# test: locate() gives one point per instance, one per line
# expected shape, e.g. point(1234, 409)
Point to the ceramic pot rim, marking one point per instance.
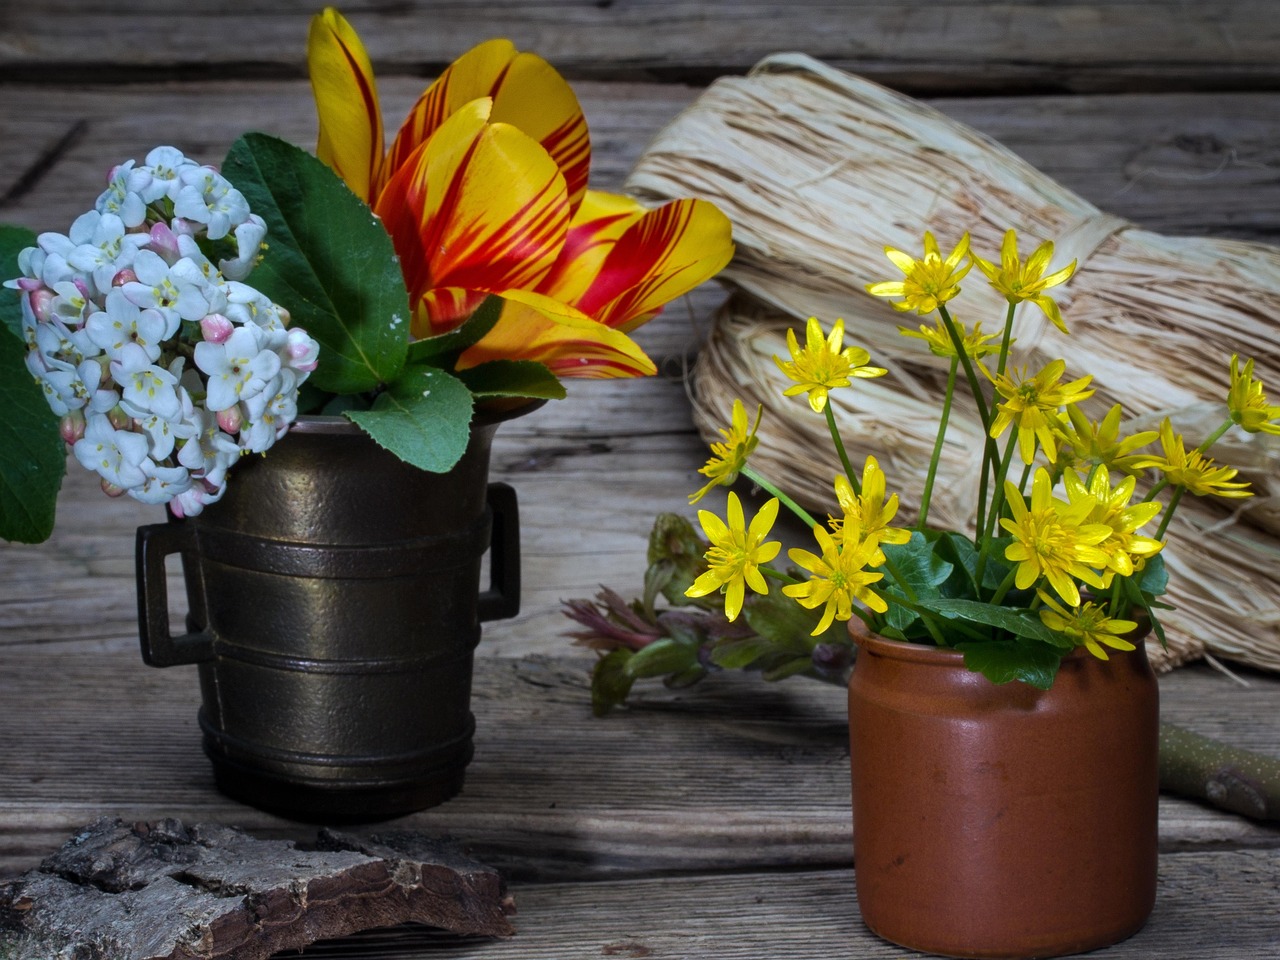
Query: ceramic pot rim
point(314, 424)
point(919, 652)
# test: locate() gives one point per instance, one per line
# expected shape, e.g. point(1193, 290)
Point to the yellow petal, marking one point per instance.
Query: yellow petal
point(347, 102)
point(597, 224)
point(534, 327)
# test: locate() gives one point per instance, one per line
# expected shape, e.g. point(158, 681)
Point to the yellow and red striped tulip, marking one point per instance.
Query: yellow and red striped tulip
point(483, 191)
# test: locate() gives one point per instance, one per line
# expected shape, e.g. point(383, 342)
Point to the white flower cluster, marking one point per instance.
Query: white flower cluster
point(164, 368)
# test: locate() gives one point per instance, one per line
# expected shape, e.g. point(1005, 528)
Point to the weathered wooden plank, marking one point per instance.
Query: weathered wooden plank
point(1177, 163)
point(731, 774)
point(1211, 906)
point(917, 45)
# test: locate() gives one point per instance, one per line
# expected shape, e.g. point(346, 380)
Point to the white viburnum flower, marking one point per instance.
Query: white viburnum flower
point(114, 455)
point(165, 165)
point(249, 237)
point(238, 368)
point(145, 387)
point(179, 291)
point(121, 196)
point(209, 452)
point(108, 251)
point(205, 196)
point(270, 412)
point(160, 484)
point(124, 322)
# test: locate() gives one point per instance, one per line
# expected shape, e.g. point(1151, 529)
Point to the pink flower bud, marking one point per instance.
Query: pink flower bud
point(111, 490)
point(216, 328)
point(83, 288)
point(231, 419)
point(41, 300)
point(164, 244)
point(29, 284)
point(124, 276)
point(72, 426)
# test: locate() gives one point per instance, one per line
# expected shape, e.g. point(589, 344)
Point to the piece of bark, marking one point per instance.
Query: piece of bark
point(166, 891)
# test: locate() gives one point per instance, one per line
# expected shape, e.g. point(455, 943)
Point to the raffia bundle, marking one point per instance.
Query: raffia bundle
point(820, 170)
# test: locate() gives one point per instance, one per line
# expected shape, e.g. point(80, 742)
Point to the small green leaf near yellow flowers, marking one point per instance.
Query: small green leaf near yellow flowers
point(927, 282)
point(1003, 661)
point(1248, 403)
point(1017, 281)
point(730, 456)
point(823, 364)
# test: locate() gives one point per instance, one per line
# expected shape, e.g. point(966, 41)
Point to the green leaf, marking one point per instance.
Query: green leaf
point(786, 624)
point(13, 240)
point(918, 563)
point(424, 419)
point(328, 260)
point(662, 657)
point(1002, 661)
point(675, 559)
point(685, 678)
point(33, 458)
point(740, 654)
point(789, 668)
point(1015, 620)
point(443, 349)
point(512, 378)
point(610, 681)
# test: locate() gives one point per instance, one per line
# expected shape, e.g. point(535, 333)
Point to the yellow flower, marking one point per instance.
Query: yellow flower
point(1088, 625)
point(1051, 540)
point(1194, 471)
point(1125, 548)
point(1247, 401)
point(1033, 405)
point(823, 364)
point(976, 343)
point(1019, 281)
point(736, 553)
point(728, 458)
point(869, 513)
point(839, 576)
point(929, 281)
point(1087, 444)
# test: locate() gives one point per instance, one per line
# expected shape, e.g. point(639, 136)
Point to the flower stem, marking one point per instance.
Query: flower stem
point(937, 444)
point(1168, 512)
point(839, 445)
point(987, 535)
point(925, 617)
point(989, 451)
point(1007, 339)
point(786, 501)
point(1214, 437)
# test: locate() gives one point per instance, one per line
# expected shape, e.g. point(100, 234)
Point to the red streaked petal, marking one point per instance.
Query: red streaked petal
point(346, 98)
point(527, 93)
point(534, 327)
point(663, 255)
point(480, 206)
point(596, 226)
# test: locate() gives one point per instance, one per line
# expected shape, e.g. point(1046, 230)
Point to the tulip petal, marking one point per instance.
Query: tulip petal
point(597, 224)
point(663, 255)
point(527, 93)
point(480, 206)
point(347, 102)
point(535, 327)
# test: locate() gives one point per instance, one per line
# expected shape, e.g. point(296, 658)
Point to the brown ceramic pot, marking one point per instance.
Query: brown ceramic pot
point(1001, 820)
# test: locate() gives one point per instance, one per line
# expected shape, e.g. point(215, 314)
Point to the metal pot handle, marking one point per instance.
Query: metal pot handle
point(502, 600)
point(160, 648)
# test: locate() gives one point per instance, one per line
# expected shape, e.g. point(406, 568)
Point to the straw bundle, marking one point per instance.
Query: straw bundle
point(820, 170)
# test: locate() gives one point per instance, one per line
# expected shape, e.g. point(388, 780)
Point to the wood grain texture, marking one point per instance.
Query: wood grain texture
point(915, 45)
point(733, 774)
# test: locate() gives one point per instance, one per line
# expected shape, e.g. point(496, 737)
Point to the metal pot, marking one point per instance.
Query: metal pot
point(335, 606)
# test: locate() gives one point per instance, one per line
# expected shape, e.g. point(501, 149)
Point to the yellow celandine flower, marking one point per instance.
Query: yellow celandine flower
point(1247, 401)
point(839, 575)
point(1052, 540)
point(1088, 625)
point(1019, 281)
point(869, 513)
point(976, 343)
point(1086, 444)
point(1194, 471)
point(728, 458)
point(929, 281)
point(1126, 550)
point(824, 363)
point(736, 553)
point(1033, 404)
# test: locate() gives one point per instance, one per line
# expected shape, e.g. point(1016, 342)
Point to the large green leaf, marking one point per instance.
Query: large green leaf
point(1015, 620)
point(328, 260)
point(443, 349)
point(32, 455)
point(512, 378)
point(663, 656)
point(424, 419)
point(1002, 661)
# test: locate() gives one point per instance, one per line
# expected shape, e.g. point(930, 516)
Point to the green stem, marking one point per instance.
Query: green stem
point(1168, 512)
point(997, 505)
point(1005, 586)
point(925, 617)
point(839, 445)
point(786, 501)
point(773, 574)
point(1214, 437)
point(990, 452)
point(1006, 339)
point(937, 444)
